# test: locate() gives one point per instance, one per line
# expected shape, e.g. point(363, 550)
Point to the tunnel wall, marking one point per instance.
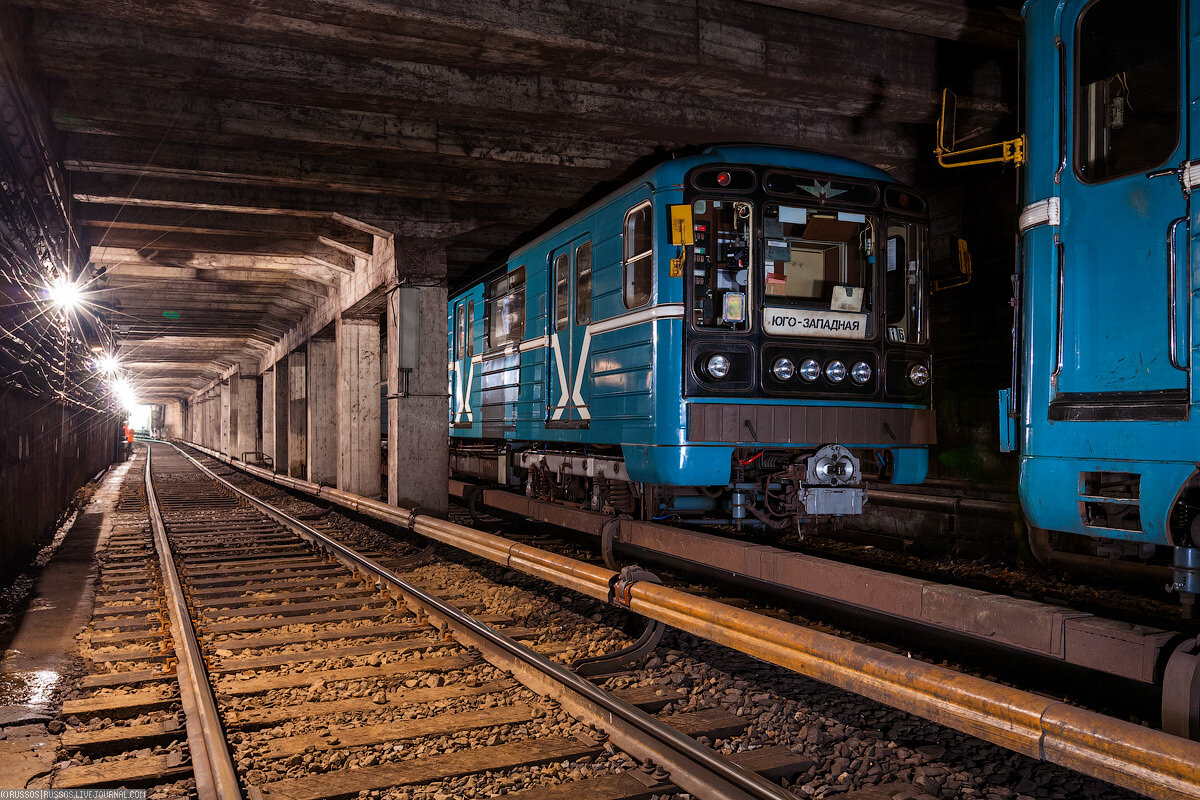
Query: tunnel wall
point(45, 456)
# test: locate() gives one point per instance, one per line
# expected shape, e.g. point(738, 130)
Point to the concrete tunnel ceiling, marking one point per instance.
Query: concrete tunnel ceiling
point(231, 163)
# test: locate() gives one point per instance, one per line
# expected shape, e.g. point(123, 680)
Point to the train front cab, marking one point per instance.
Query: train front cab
point(810, 369)
point(1108, 432)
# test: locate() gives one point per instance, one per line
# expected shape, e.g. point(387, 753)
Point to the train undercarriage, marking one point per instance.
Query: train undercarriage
point(769, 489)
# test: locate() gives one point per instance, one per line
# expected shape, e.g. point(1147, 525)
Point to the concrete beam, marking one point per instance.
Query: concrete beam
point(160, 220)
point(255, 246)
point(430, 217)
point(822, 64)
point(360, 174)
point(367, 283)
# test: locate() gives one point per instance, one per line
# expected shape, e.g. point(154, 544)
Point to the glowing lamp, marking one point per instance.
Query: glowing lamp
point(64, 294)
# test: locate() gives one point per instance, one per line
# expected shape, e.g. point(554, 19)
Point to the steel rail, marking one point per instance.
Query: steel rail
point(1145, 760)
point(212, 764)
point(692, 767)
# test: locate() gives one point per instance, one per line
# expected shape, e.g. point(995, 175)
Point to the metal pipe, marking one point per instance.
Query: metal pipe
point(1148, 761)
point(943, 504)
point(1044, 552)
point(212, 764)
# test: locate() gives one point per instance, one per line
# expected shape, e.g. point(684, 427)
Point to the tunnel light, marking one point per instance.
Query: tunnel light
point(107, 364)
point(125, 394)
point(65, 294)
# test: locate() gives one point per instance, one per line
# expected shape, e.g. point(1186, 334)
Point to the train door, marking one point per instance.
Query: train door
point(461, 367)
point(570, 315)
point(1122, 333)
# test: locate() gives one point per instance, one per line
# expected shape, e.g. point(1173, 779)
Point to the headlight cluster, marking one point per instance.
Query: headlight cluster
point(810, 370)
point(918, 375)
point(717, 366)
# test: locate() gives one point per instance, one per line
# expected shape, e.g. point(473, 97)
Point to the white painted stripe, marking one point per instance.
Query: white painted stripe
point(563, 399)
point(1191, 175)
point(1043, 212)
point(577, 390)
point(467, 393)
point(664, 311)
point(534, 344)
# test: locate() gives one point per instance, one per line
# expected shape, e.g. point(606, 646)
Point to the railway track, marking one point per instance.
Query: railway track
point(1128, 755)
point(236, 651)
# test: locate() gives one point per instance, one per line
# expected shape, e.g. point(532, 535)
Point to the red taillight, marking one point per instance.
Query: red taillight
point(723, 178)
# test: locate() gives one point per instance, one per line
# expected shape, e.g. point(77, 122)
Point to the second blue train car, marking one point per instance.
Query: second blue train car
point(1105, 414)
point(737, 337)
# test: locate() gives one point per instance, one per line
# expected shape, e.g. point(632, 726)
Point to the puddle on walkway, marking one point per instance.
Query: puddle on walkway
point(33, 689)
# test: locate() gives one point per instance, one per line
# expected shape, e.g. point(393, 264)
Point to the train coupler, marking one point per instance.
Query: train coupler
point(833, 483)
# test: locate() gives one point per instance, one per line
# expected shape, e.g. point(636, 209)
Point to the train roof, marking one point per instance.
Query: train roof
point(673, 171)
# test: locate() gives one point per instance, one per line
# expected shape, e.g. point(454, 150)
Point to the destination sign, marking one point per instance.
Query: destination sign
point(814, 322)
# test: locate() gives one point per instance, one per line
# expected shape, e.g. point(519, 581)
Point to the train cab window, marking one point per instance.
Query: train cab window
point(638, 256)
point(721, 259)
point(817, 258)
point(562, 290)
point(506, 309)
point(470, 329)
point(583, 284)
point(1127, 100)
point(903, 260)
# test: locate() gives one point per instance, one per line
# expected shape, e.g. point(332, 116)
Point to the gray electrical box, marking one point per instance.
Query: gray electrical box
point(408, 325)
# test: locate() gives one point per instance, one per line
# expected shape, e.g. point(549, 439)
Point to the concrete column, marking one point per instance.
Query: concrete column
point(198, 420)
point(214, 420)
point(268, 414)
point(297, 427)
point(173, 421)
point(323, 416)
point(418, 461)
point(279, 448)
point(247, 414)
point(228, 419)
point(358, 407)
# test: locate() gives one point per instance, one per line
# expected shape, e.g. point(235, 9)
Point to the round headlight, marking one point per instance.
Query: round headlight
point(717, 366)
point(861, 373)
point(784, 369)
point(810, 370)
point(835, 371)
point(919, 375)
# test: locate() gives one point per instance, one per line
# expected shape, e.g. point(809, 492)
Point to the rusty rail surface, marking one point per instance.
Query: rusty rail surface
point(212, 763)
point(692, 767)
point(1145, 760)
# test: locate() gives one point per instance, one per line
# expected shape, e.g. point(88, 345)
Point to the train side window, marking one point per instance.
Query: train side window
point(459, 331)
point(470, 329)
point(639, 255)
point(1127, 100)
point(583, 284)
point(505, 308)
point(904, 282)
point(562, 290)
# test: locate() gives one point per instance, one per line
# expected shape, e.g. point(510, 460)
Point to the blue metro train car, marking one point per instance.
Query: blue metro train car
point(737, 337)
point(1106, 419)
